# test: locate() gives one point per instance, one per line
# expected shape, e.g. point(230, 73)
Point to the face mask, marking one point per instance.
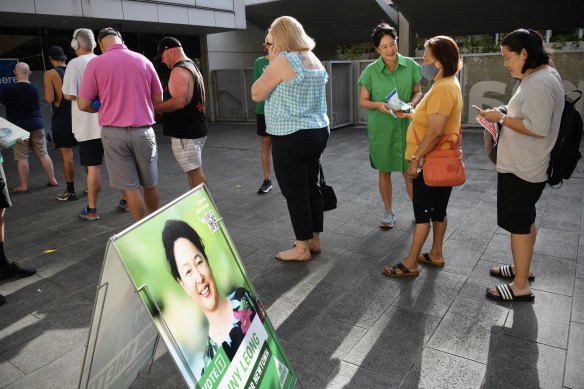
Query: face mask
point(430, 71)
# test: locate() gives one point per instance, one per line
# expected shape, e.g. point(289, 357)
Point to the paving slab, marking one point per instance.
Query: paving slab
point(45, 348)
point(574, 375)
point(436, 369)
point(578, 301)
point(63, 372)
point(517, 363)
point(553, 274)
point(317, 351)
point(470, 329)
point(364, 303)
point(350, 376)
point(546, 320)
point(394, 342)
point(432, 292)
point(563, 244)
point(8, 373)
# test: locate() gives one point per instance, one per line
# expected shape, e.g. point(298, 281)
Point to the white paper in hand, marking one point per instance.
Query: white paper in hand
point(491, 127)
point(10, 133)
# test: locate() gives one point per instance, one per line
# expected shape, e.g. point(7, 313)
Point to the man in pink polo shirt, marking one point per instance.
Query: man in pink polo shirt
point(127, 87)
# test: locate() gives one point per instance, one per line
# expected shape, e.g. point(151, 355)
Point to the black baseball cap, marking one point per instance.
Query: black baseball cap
point(57, 53)
point(167, 43)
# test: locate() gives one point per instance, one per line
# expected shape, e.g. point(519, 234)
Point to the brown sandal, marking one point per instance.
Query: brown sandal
point(314, 247)
point(391, 271)
point(425, 258)
point(292, 255)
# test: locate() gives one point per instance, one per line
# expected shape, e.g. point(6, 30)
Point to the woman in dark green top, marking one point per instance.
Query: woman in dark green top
point(387, 135)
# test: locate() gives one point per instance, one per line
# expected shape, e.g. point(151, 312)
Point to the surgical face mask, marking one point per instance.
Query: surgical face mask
point(430, 71)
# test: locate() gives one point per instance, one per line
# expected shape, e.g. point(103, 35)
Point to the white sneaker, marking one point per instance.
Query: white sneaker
point(388, 219)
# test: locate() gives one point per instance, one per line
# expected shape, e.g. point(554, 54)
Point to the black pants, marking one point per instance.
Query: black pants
point(296, 158)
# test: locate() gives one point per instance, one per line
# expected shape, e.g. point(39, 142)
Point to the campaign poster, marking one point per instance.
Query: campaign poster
point(188, 273)
point(6, 71)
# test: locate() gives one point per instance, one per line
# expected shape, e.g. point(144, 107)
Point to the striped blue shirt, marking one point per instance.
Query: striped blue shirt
point(299, 103)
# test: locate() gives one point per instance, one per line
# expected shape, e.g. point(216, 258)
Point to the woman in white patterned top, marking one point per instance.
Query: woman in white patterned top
point(293, 87)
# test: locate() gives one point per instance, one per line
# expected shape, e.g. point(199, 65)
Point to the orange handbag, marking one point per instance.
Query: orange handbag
point(444, 167)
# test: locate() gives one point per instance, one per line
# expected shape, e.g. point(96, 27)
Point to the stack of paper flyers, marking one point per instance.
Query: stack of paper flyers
point(11, 133)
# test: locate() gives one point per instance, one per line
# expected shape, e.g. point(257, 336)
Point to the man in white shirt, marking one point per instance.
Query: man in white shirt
point(85, 125)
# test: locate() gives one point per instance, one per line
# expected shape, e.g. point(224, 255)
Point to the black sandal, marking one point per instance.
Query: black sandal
point(505, 293)
point(506, 271)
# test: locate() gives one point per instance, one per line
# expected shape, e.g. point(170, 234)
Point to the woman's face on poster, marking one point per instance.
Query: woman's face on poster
point(196, 276)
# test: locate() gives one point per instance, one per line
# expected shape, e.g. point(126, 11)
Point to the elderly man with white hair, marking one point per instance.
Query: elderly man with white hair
point(86, 128)
point(23, 108)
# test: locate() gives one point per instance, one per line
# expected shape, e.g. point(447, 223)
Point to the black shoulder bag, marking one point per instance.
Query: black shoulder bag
point(328, 194)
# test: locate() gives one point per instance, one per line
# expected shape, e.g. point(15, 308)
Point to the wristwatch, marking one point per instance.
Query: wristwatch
point(502, 120)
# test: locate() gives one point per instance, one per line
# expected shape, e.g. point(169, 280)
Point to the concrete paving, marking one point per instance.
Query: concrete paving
point(342, 323)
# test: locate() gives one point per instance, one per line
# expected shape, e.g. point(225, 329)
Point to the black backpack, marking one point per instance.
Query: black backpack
point(566, 152)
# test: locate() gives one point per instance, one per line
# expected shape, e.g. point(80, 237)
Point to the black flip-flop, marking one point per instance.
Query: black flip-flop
point(16, 191)
point(506, 294)
point(506, 271)
point(405, 271)
point(427, 260)
point(51, 185)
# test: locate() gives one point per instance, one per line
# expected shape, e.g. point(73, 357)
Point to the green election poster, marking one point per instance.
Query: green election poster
point(190, 277)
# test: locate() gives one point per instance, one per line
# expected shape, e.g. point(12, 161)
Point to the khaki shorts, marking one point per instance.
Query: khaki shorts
point(38, 143)
point(188, 152)
point(131, 156)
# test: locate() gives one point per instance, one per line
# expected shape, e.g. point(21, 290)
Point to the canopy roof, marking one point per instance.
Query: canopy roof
point(467, 17)
point(328, 22)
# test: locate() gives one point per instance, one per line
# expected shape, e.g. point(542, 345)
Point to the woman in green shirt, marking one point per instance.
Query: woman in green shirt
point(387, 135)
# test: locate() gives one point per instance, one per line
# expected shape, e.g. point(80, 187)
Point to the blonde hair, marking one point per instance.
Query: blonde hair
point(288, 34)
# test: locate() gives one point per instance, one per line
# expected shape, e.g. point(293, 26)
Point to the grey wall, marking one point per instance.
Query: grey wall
point(211, 13)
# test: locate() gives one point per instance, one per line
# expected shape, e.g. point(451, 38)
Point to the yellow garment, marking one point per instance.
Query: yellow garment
point(444, 98)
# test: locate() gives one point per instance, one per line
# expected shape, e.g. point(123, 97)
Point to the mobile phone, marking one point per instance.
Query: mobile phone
point(477, 108)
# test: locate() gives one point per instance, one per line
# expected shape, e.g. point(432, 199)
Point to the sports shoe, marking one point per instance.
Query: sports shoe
point(87, 215)
point(266, 186)
point(15, 270)
point(67, 196)
point(123, 205)
point(388, 219)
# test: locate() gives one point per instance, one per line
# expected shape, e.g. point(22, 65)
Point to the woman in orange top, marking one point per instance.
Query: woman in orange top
point(438, 113)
